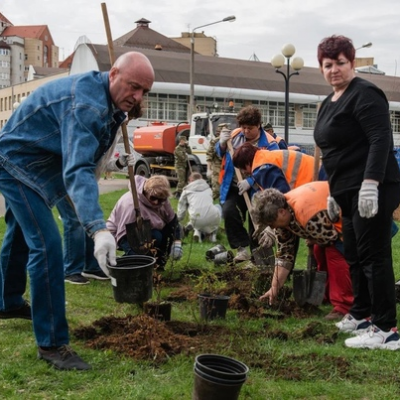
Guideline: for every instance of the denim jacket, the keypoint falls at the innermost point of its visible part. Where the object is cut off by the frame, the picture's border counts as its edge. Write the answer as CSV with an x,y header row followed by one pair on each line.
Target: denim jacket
x,y
54,139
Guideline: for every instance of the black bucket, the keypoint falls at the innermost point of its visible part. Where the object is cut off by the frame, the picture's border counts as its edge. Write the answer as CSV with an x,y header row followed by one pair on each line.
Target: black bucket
x,y
213,306
224,258
211,253
218,377
132,279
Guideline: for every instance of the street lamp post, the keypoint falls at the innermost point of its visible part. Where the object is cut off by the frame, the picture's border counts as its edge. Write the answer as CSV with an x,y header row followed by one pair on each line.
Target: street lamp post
x,y
365,45
231,18
297,64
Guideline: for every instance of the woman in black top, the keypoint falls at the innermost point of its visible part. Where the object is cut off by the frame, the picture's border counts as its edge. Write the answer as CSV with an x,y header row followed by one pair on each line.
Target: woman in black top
x,y
354,133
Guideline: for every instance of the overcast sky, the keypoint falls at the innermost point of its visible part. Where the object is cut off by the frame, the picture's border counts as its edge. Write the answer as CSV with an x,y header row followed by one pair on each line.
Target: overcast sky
x,y
262,27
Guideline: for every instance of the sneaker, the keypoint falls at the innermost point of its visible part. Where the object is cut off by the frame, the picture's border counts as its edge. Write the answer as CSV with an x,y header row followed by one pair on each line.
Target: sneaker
x,y
62,357
99,275
213,237
23,312
188,228
242,255
197,236
375,338
76,279
334,316
349,324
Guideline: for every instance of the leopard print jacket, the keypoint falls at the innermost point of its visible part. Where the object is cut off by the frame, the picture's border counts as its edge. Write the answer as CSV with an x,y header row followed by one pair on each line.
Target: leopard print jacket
x,y
319,230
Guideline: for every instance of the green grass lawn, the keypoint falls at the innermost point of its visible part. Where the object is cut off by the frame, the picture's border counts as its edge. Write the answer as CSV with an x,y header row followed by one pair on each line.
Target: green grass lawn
x,y
286,357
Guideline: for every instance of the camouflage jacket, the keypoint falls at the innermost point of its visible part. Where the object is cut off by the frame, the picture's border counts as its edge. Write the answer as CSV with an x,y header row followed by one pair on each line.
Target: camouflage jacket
x,y
211,155
180,154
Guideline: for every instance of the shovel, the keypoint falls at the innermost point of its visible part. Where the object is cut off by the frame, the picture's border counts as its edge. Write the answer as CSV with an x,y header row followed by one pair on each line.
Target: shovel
x,y
138,232
262,257
309,284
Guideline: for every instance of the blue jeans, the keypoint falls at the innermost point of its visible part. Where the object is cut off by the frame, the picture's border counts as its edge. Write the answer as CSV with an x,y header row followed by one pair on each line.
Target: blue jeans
x,y
32,243
78,246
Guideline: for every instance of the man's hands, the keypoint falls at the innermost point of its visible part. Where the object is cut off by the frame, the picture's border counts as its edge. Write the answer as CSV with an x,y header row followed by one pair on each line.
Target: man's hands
x,y
126,160
104,246
224,136
333,209
368,199
243,186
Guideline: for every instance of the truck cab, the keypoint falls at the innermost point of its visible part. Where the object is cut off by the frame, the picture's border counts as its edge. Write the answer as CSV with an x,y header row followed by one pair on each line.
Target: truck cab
x,y
202,130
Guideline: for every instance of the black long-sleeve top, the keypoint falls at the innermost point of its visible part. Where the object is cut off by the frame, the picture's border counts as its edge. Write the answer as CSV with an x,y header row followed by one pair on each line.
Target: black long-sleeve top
x,y
355,137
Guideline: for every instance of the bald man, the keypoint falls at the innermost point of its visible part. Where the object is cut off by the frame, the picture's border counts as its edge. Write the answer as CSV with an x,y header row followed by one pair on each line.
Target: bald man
x,y
49,150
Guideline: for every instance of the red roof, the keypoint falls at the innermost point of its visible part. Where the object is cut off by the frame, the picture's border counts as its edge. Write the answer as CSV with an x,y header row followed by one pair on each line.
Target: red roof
x,y
29,31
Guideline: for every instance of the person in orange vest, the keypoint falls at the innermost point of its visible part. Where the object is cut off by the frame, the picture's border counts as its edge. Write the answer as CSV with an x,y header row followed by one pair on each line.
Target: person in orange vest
x,y
281,142
233,204
302,212
297,167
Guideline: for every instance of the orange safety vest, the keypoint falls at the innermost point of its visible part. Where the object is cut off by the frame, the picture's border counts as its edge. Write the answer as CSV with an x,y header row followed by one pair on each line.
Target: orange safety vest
x,y
308,200
297,167
234,133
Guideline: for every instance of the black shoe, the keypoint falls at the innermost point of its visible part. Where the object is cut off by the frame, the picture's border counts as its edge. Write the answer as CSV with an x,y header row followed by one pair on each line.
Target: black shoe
x,y
177,195
99,275
76,279
23,312
62,357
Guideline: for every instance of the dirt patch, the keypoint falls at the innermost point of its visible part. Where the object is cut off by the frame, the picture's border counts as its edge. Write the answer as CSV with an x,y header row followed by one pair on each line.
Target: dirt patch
x,y
144,338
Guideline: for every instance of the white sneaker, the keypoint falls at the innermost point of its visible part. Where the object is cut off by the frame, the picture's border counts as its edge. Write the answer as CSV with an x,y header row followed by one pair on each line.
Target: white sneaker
x,y
213,237
375,338
349,324
242,255
197,236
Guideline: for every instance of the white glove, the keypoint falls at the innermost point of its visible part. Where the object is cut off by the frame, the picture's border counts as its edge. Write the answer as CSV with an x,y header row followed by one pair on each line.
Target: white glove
x,y
243,186
368,199
176,250
209,173
333,209
127,160
104,245
267,238
224,136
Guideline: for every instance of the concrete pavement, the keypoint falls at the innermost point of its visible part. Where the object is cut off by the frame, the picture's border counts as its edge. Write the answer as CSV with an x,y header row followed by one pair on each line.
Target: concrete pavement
x,y
105,186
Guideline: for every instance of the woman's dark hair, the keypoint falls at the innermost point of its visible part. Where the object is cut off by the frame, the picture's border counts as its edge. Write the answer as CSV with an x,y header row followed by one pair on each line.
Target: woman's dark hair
x,y
249,115
332,46
244,155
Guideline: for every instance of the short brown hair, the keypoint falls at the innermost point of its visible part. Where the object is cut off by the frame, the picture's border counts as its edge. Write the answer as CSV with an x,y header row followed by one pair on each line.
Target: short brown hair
x,y
265,205
249,115
158,186
332,46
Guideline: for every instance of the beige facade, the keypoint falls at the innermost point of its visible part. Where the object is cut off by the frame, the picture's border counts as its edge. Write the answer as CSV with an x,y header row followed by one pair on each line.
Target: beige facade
x,y
204,45
11,96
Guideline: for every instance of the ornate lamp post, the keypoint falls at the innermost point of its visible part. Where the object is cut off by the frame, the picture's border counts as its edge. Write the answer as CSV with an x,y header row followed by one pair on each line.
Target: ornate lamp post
x,y
231,18
297,64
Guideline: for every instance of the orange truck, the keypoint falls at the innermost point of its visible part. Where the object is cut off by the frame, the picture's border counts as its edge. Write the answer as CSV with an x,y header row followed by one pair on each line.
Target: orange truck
x,y
156,143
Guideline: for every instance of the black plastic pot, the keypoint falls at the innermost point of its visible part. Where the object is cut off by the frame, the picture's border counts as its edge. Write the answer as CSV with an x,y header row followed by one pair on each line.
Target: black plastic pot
x,y
132,279
212,306
223,258
211,253
160,311
218,377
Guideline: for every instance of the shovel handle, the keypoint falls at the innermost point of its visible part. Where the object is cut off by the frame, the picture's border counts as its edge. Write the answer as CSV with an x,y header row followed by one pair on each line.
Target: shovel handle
x,y
240,177
125,137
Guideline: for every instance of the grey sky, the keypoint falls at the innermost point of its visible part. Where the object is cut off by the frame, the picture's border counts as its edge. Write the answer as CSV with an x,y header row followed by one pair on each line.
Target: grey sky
x,y
261,27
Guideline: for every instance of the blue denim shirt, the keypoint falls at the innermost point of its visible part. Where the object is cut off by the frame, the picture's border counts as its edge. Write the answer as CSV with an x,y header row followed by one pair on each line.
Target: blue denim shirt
x,y
54,139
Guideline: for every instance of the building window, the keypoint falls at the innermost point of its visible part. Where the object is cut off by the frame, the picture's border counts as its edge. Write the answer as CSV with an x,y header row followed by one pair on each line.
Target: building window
x,y
26,57
45,53
395,120
309,116
163,107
